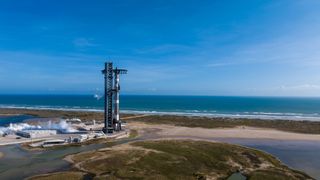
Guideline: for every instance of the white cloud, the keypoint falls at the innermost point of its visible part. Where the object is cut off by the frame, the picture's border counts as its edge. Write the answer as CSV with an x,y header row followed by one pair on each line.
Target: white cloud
x,y
302,87
220,64
164,49
287,90
83,42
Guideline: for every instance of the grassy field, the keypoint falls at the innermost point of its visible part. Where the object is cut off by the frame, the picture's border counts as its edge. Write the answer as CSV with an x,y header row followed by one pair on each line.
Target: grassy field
x,y
178,159
205,122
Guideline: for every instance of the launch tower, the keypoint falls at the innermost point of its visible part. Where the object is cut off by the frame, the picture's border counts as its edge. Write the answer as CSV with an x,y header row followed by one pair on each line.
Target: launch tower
x,y
112,120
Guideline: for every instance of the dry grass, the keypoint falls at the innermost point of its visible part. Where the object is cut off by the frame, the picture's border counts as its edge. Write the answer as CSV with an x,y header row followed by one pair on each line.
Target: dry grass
x,y
181,159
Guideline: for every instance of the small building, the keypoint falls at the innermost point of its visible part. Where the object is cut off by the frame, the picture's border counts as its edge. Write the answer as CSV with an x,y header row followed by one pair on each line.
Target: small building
x,y
53,142
36,133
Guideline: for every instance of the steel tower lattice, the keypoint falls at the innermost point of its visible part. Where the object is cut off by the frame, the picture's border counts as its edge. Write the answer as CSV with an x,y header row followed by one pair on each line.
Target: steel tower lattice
x,y
111,115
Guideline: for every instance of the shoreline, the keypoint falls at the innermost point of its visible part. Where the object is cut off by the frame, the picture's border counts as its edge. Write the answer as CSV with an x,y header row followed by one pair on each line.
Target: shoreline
x,y
241,132
192,113
303,127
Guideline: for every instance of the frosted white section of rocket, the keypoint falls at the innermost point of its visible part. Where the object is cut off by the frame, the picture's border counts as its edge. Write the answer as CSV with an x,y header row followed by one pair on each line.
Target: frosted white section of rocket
x,y
116,110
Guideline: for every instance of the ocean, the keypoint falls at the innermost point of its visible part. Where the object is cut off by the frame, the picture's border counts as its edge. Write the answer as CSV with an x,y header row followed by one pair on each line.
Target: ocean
x,y
214,106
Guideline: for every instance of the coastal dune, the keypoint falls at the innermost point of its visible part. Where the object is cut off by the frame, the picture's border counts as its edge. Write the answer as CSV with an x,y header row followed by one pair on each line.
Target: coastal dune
x,y
167,131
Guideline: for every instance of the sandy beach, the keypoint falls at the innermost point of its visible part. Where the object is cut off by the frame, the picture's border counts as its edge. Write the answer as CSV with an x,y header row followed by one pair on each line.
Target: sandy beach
x,y
168,131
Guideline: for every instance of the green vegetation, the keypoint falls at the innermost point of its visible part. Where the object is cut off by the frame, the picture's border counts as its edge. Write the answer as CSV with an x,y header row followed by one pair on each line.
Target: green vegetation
x,y
180,159
205,122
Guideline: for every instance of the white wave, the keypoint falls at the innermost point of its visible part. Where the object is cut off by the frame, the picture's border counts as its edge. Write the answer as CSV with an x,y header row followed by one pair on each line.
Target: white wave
x,y
204,113
229,115
277,114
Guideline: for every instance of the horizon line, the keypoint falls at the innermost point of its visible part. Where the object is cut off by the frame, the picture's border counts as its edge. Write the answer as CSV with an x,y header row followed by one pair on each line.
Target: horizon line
x,y
190,95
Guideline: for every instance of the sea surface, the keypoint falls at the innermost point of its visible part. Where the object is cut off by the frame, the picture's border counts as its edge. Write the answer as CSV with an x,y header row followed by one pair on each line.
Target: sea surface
x,y
295,108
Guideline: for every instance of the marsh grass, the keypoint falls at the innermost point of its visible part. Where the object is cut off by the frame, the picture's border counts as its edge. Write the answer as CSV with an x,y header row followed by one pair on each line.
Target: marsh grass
x,y
182,159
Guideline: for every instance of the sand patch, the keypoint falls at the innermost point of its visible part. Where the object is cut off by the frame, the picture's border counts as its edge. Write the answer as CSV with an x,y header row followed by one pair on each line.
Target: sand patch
x,y
167,131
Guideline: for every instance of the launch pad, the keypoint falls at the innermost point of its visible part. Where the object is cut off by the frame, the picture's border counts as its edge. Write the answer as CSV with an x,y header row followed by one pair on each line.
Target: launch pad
x,y
112,120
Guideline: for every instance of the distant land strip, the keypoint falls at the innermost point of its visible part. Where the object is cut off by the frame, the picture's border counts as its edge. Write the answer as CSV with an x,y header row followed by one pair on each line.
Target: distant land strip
x,y
308,127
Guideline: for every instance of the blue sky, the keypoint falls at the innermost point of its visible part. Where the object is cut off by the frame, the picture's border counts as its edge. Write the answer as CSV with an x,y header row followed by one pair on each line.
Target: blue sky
x,y
184,47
